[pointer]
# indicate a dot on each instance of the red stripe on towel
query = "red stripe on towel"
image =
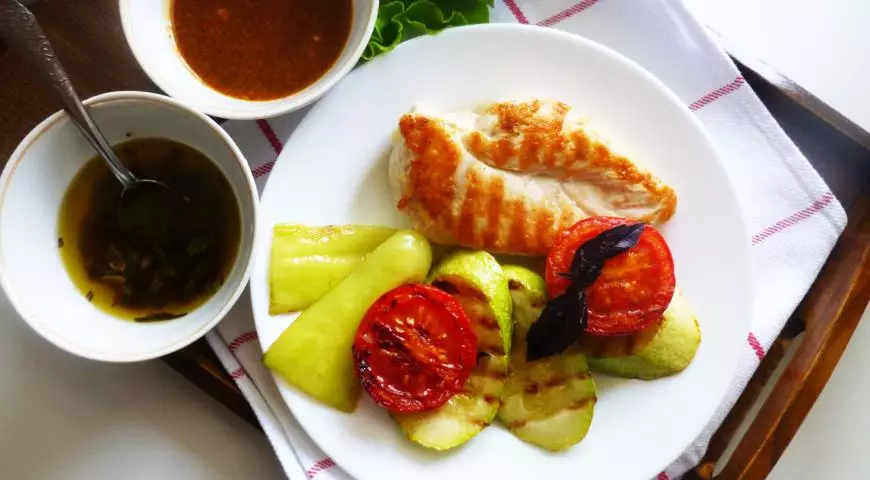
(320, 466)
(263, 169)
(793, 219)
(717, 93)
(241, 340)
(270, 135)
(756, 345)
(515, 10)
(567, 13)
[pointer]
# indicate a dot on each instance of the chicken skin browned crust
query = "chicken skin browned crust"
(509, 177)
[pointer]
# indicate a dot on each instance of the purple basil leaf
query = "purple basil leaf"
(589, 258)
(561, 324)
(616, 240)
(564, 318)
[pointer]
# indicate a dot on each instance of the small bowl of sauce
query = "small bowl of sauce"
(247, 59)
(153, 255)
(136, 278)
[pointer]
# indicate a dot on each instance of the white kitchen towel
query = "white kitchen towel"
(793, 217)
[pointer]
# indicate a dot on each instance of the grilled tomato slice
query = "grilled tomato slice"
(414, 349)
(634, 288)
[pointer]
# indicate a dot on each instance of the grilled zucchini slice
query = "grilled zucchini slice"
(669, 351)
(548, 402)
(476, 280)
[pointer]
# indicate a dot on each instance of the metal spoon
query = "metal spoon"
(22, 32)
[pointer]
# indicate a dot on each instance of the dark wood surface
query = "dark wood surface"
(88, 38)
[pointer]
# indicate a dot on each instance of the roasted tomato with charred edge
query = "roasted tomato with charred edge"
(634, 288)
(414, 349)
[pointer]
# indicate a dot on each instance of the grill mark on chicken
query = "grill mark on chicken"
(434, 186)
(466, 228)
(544, 144)
(540, 134)
(493, 210)
(517, 235)
(544, 230)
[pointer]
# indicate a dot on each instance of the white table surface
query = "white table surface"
(834, 440)
(823, 46)
(62, 417)
(66, 418)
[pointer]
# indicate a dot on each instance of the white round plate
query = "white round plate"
(333, 171)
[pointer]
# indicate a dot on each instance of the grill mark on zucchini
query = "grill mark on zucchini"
(458, 289)
(619, 346)
(491, 374)
(488, 339)
(578, 405)
(581, 404)
(556, 381)
(446, 286)
(548, 403)
(482, 317)
(534, 388)
(670, 349)
(484, 297)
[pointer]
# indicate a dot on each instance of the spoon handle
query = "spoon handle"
(24, 35)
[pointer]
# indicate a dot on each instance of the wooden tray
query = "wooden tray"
(88, 37)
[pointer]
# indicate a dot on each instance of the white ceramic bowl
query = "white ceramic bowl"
(32, 187)
(147, 26)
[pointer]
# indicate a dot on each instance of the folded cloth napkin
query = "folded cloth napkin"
(793, 217)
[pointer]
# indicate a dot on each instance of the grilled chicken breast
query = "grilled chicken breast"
(507, 178)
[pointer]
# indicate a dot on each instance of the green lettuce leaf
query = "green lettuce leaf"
(399, 20)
